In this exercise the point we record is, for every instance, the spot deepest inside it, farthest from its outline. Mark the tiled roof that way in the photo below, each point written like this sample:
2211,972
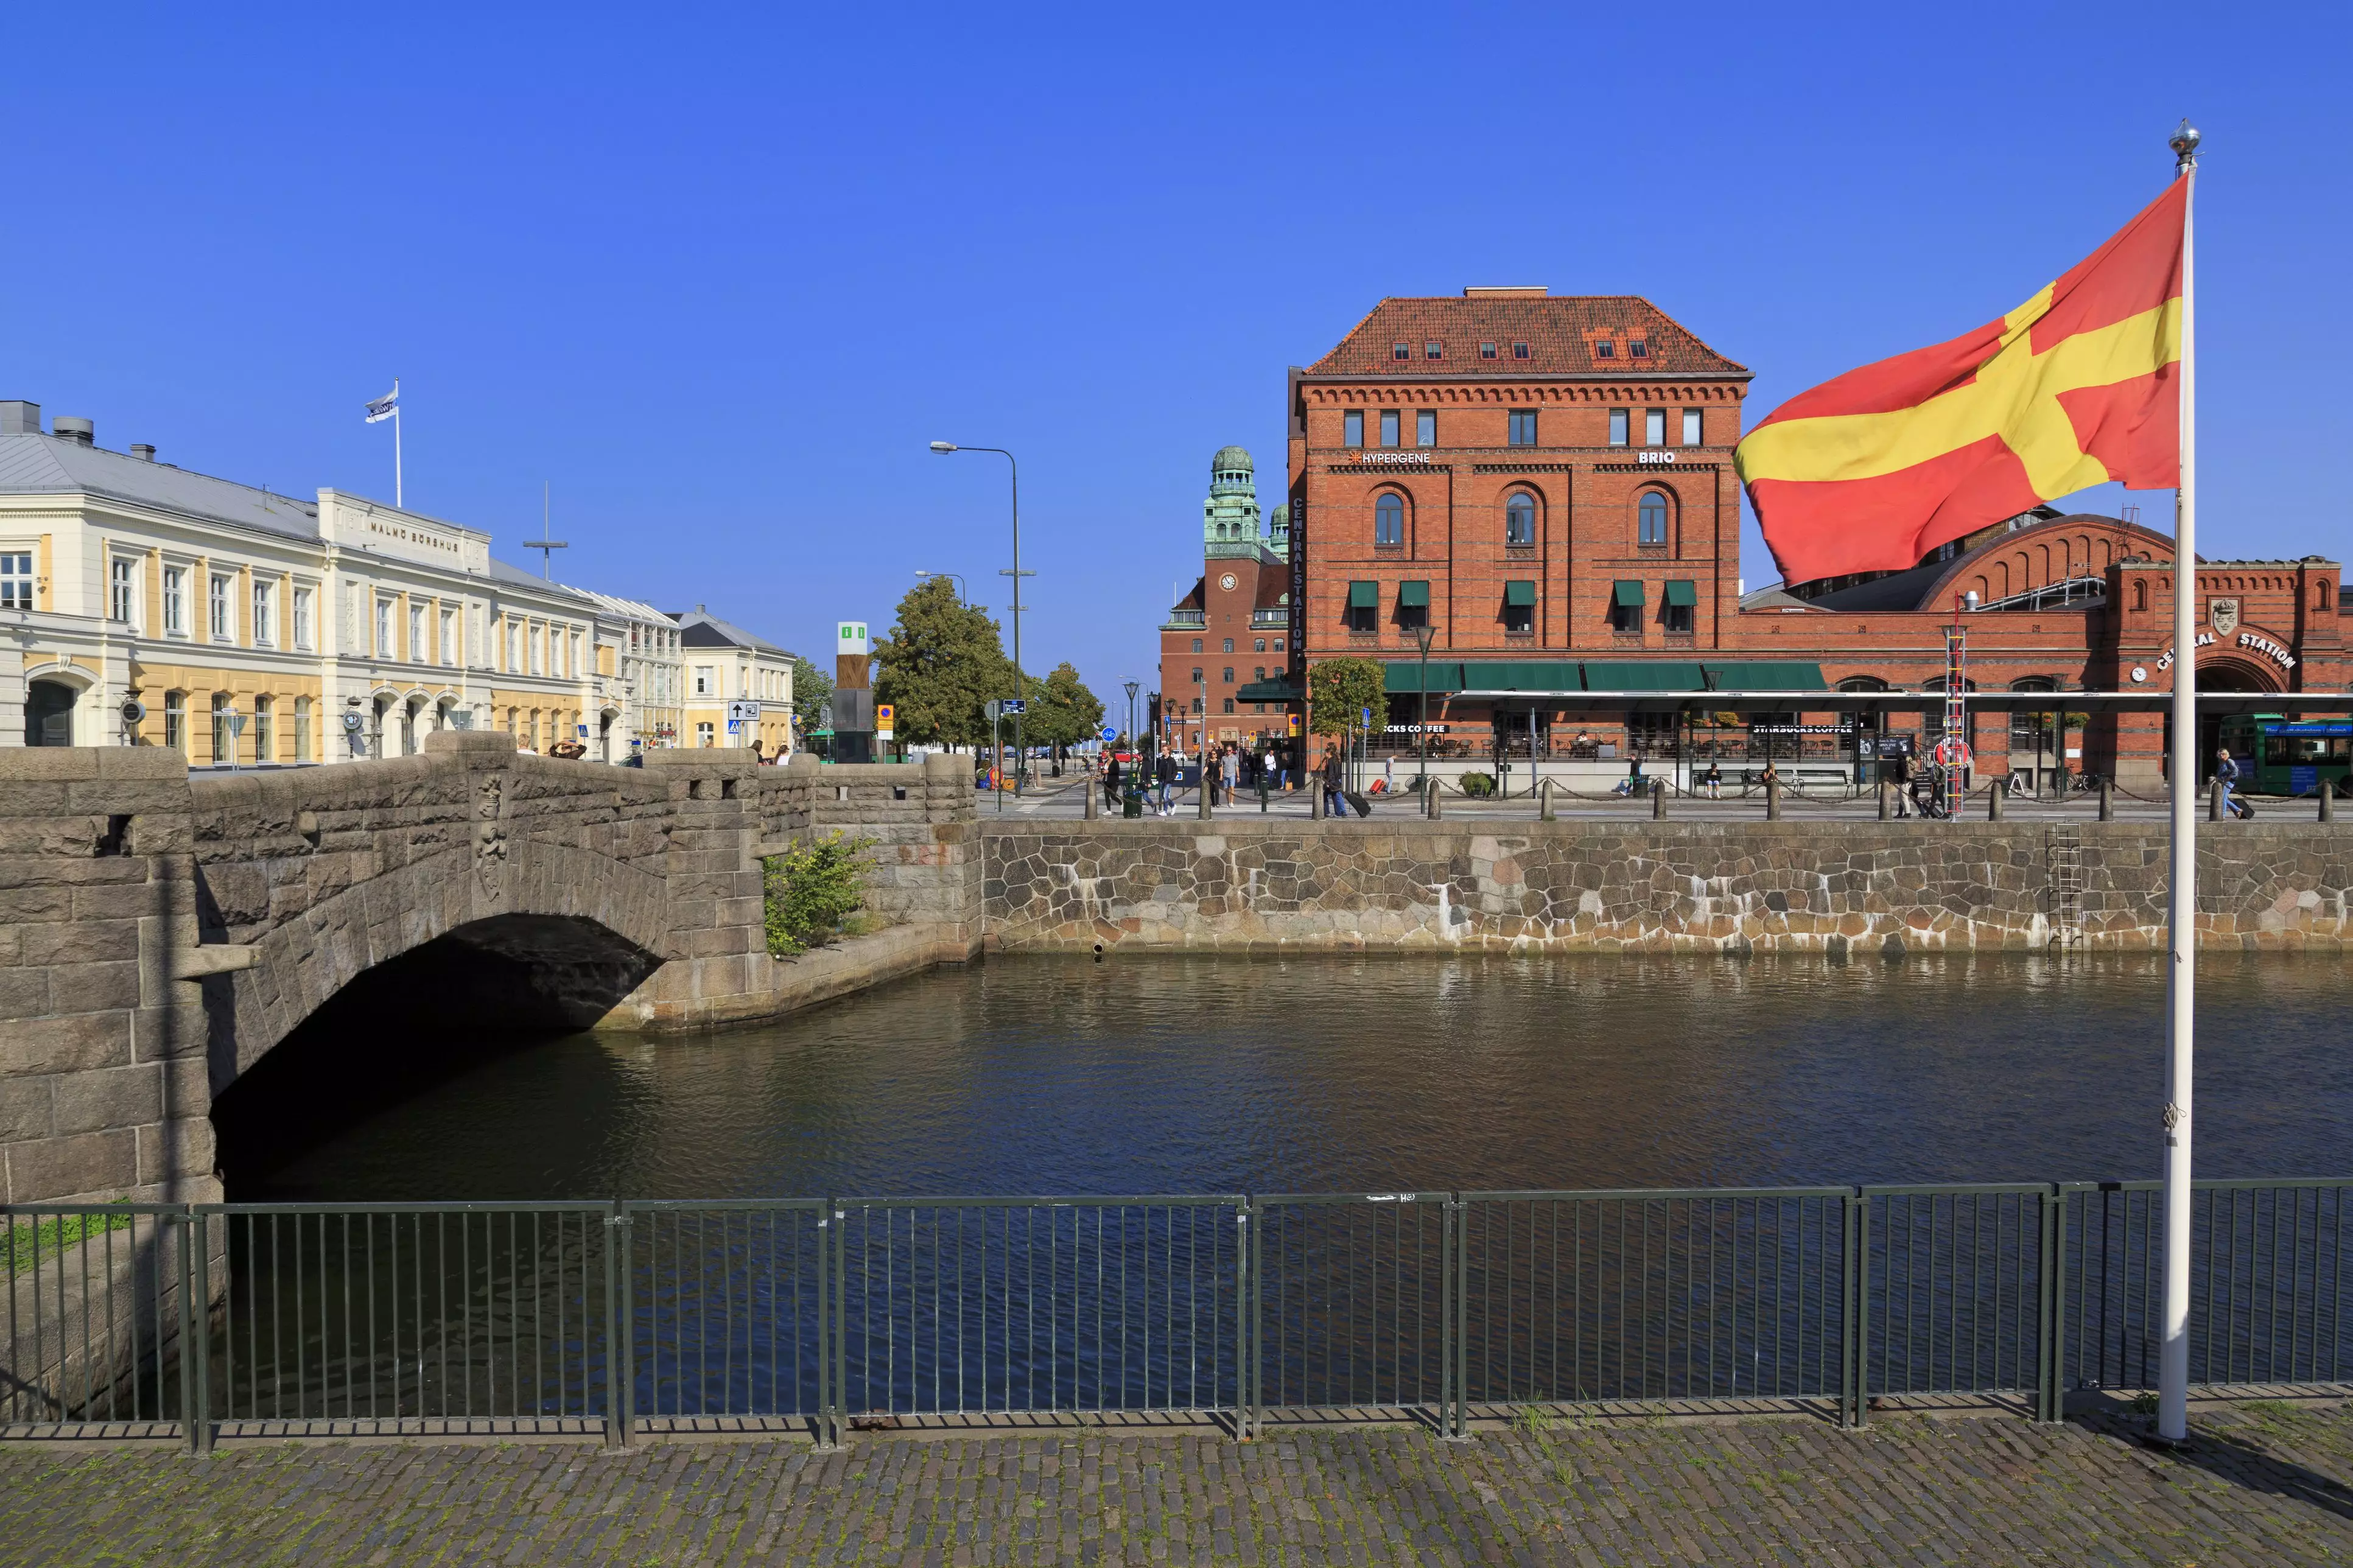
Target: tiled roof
1562,334
45,465
702,629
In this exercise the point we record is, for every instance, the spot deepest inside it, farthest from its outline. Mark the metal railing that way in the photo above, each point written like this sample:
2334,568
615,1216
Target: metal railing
825,1314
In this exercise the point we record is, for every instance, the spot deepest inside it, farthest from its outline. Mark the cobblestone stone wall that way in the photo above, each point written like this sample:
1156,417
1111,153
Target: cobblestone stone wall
1839,886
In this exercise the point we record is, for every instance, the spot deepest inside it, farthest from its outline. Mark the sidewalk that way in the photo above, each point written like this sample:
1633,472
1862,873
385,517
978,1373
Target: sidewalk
2264,1483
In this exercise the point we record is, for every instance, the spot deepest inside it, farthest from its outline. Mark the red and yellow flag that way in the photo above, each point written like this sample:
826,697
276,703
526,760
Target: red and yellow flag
1872,470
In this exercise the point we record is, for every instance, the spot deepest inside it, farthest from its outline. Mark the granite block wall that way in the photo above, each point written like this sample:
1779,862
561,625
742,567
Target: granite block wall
1838,886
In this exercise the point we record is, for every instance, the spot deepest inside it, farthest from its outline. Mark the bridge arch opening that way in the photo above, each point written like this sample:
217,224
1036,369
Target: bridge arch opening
414,1024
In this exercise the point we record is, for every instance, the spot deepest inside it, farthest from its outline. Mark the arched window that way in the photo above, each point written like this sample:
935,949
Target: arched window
2321,594
1520,519
1650,520
1388,521
2140,596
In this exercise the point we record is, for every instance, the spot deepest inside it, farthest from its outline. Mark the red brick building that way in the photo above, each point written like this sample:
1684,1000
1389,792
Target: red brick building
1234,628
1548,482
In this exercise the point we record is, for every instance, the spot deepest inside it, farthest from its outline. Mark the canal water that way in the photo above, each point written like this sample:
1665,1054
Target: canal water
1048,1075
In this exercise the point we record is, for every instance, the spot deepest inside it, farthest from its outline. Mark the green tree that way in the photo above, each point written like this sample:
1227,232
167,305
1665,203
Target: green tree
941,662
812,688
1062,712
1339,690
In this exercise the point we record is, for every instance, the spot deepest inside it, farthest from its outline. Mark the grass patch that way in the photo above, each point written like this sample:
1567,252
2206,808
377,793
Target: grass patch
46,1237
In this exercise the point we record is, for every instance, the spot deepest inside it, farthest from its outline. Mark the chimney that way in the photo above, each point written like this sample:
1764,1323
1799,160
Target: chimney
18,417
66,427
1508,292
142,451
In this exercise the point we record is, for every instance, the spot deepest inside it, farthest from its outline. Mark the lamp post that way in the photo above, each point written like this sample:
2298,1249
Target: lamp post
1133,751
1020,685
962,592
1422,635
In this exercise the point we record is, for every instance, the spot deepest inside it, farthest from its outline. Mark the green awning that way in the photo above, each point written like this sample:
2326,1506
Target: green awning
1522,675
1626,592
1644,675
1405,674
1414,594
1768,675
1683,590
1364,596
1519,592
1278,689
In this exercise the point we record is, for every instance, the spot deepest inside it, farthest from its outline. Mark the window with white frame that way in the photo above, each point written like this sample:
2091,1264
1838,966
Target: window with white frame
120,599
703,734
176,721
415,650
16,579
382,628
702,680
301,729
219,626
573,657
445,651
1693,425
175,601
302,618
1654,426
265,622
533,639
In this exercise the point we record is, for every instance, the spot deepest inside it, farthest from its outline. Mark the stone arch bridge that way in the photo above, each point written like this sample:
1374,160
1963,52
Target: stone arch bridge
160,932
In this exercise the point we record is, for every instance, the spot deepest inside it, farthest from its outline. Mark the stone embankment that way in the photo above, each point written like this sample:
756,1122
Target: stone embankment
1839,887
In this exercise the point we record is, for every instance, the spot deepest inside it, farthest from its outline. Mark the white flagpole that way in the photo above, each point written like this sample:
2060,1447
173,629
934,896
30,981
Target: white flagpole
2181,910
395,445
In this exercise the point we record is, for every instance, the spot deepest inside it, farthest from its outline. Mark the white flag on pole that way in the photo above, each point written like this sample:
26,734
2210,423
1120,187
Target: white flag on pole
385,408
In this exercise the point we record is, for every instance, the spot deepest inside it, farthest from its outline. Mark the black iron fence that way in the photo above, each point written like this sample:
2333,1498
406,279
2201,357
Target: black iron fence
828,1314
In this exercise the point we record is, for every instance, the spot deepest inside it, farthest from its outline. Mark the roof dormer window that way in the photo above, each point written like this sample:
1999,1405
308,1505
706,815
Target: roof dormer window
1401,351
1638,348
1486,350
1604,349
1519,350
1431,350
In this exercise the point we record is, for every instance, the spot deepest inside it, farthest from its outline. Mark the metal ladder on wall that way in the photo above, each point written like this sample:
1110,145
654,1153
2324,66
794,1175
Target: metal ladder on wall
2063,854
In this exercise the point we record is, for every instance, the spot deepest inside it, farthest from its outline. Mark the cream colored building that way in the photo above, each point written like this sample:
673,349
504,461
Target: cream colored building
727,669
144,604
645,652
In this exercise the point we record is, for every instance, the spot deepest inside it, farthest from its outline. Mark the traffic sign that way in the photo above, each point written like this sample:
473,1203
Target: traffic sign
1109,733
1012,705
883,714
742,712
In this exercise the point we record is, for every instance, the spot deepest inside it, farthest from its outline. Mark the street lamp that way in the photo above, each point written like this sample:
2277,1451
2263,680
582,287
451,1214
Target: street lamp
1133,751
1421,635
962,592
1020,685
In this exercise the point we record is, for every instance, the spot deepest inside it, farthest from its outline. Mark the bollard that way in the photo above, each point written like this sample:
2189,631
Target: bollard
1436,810
1316,797
1996,793
2108,800
1544,802
1261,792
1094,797
2214,801
1772,800
1886,805
1658,800
1206,787
2327,801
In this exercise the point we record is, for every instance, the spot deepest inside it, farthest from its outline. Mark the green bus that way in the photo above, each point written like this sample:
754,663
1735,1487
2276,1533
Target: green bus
2278,756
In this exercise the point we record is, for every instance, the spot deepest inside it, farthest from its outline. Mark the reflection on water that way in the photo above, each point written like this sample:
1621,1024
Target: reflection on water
1198,1075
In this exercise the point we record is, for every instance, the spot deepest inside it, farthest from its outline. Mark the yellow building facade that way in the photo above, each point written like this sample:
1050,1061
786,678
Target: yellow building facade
144,604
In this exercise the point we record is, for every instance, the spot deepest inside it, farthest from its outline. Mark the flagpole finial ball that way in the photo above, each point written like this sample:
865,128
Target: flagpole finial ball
2184,142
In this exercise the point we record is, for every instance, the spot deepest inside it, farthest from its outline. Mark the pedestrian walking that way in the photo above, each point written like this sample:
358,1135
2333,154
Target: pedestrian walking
1232,770
1164,775
1335,805
1898,769
2227,772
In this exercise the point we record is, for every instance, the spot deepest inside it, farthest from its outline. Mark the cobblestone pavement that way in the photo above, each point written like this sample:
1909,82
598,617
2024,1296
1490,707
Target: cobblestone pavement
2266,1484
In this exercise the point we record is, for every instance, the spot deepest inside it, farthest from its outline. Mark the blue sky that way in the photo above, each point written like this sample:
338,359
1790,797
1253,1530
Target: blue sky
718,277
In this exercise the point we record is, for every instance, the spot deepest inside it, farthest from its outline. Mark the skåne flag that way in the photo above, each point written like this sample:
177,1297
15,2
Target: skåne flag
1872,470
